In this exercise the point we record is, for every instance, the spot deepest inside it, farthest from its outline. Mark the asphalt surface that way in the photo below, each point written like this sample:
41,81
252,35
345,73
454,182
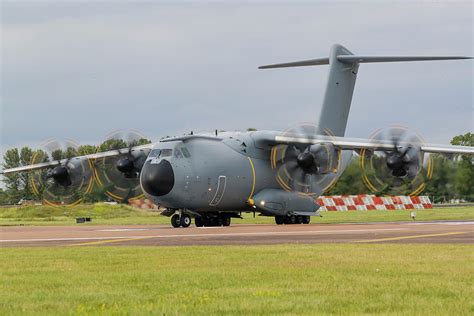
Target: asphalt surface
163,235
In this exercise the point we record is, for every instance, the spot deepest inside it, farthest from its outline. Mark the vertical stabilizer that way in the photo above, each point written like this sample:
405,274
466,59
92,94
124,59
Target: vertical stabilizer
338,95
343,67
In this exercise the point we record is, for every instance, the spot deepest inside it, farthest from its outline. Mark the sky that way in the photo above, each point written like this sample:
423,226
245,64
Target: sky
81,69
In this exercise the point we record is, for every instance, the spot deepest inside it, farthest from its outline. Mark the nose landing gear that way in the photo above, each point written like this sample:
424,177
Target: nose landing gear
180,221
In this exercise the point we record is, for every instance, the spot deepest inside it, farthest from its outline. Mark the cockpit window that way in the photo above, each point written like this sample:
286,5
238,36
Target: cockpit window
166,152
154,153
177,153
185,152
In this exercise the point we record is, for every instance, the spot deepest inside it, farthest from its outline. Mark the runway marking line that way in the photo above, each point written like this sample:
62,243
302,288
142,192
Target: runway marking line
107,241
410,237
121,238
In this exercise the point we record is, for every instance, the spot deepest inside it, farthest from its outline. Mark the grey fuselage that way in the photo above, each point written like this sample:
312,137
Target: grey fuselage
209,175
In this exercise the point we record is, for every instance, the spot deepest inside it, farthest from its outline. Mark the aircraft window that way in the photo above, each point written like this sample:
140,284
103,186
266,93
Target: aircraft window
185,152
166,152
154,153
177,153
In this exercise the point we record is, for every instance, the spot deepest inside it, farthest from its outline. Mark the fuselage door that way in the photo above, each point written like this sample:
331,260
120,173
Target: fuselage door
221,184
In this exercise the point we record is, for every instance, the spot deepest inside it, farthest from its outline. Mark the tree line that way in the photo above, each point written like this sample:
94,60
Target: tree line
452,178
18,186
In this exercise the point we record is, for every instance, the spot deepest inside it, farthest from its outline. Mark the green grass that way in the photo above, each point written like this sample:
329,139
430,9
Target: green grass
409,279
121,214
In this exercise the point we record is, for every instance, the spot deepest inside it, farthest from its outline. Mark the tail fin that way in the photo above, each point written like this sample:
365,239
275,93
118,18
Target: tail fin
343,68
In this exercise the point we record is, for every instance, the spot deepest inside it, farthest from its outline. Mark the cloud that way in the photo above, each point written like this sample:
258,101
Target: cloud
81,70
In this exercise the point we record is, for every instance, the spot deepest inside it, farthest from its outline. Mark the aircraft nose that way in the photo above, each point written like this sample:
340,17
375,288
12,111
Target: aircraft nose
157,179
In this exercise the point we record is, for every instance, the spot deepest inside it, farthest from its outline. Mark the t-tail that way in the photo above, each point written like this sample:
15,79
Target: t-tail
343,69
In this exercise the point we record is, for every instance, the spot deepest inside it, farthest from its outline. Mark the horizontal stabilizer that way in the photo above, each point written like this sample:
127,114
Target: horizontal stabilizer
351,59
310,62
354,59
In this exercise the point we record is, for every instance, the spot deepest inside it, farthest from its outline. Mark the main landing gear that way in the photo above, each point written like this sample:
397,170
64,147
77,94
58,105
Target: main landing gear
292,219
184,220
208,221
180,221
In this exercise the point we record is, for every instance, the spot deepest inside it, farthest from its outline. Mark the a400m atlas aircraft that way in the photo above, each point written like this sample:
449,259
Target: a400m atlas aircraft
214,177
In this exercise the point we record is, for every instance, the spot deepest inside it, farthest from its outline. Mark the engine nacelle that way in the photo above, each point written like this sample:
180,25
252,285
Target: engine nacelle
281,202
326,157
61,176
131,164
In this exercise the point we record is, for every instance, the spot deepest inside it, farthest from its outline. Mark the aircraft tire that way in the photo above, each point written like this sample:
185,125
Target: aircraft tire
292,219
299,219
226,221
286,220
198,222
306,219
175,222
185,220
206,221
279,220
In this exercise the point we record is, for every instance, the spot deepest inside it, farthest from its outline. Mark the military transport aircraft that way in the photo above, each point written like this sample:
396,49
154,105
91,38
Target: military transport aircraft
214,177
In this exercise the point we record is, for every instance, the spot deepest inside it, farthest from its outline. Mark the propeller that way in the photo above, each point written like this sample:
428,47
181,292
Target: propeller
68,181
120,174
305,167
399,170
404,159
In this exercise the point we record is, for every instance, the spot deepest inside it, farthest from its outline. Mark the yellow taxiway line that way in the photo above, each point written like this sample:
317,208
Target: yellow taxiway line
411,237
107,241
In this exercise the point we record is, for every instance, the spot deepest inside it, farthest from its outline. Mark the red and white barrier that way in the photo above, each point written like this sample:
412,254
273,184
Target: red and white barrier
371,202
345,203
143,204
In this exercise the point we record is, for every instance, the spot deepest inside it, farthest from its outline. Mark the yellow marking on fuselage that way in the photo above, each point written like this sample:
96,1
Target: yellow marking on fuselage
411,237
254,180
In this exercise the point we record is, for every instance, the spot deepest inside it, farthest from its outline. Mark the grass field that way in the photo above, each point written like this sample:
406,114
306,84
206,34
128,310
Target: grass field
121,214
313,279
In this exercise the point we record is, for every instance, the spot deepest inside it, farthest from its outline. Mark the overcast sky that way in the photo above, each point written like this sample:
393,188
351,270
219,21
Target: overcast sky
82,69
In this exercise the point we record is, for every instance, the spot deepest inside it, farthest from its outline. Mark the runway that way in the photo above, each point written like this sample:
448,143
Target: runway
163,235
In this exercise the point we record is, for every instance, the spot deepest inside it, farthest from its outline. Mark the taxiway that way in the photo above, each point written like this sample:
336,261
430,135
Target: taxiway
162,235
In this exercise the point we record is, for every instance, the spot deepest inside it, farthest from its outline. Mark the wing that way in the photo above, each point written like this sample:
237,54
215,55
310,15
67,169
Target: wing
361,143
104,154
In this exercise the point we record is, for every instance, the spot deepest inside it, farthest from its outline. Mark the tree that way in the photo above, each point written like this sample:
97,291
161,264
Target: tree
112,144
86,150
464,175
3,197
440,186
18,183
11,159
463,140
350,181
